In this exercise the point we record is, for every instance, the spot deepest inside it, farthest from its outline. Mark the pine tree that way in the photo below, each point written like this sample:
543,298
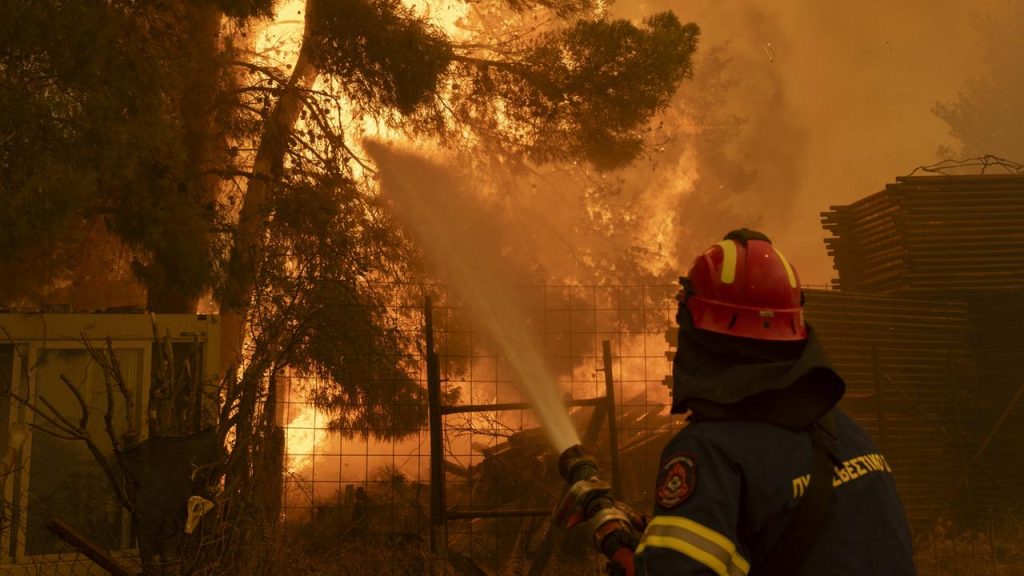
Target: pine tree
226,174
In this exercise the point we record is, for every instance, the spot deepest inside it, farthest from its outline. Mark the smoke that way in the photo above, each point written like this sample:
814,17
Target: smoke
794,106
458,236
813,104
985,118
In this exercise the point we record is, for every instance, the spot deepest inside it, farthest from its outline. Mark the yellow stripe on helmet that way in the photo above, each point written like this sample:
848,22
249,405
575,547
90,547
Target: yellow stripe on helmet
789,269
728,261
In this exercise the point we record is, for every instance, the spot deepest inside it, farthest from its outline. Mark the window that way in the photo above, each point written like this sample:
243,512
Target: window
64,477
44,471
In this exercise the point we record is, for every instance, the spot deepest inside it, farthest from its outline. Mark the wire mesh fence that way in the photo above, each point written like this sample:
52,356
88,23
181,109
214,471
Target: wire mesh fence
501,481
353,503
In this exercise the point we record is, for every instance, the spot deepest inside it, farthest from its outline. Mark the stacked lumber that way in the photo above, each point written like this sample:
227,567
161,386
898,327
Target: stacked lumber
935,234
992,413
903,361
942,256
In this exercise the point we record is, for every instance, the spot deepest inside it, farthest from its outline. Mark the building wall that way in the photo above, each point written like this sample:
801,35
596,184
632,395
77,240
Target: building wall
50,383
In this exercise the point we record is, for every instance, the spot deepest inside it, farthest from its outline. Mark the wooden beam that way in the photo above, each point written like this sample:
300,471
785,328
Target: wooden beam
98,555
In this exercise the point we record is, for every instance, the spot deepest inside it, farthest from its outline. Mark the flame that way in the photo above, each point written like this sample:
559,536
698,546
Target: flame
448,15
662,227
639,366
304,435
309,445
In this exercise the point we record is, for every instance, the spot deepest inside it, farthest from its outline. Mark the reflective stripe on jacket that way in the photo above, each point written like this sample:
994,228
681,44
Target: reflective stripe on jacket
721,510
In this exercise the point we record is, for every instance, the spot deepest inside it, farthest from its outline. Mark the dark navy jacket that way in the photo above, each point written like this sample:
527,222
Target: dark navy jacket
736,485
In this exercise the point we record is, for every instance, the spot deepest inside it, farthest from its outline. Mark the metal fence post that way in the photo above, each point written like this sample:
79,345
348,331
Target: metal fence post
613,428
438,541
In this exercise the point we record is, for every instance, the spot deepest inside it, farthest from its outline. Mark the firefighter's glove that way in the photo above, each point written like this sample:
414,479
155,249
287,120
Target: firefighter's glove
621,563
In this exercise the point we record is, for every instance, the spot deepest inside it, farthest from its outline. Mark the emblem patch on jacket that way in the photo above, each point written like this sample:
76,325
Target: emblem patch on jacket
678,479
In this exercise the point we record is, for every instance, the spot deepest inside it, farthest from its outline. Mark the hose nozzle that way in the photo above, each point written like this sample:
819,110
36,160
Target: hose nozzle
589,500
587,492
577,464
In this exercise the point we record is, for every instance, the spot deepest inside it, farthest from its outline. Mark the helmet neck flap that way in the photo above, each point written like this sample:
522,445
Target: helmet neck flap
720,377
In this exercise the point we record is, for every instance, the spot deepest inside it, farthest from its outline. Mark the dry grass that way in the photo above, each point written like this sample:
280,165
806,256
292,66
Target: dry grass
994,548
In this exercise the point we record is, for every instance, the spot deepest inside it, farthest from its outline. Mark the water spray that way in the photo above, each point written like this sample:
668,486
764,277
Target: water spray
452,234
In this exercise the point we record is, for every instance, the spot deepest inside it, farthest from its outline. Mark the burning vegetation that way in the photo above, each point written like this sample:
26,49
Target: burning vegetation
282,183
233,175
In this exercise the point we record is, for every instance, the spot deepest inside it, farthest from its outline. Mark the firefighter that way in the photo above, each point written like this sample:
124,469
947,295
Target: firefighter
769,478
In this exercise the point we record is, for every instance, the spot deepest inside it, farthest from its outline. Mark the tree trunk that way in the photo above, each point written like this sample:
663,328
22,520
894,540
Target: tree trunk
248,242
157,509
257,461
257,453
170,289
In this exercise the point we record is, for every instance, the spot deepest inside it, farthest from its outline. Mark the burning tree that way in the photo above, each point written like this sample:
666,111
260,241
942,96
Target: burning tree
227,172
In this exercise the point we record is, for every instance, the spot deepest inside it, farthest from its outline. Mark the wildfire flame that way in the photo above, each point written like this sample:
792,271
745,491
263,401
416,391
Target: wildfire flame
304,435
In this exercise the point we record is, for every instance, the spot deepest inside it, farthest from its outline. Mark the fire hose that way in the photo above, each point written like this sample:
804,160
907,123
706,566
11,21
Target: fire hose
616,529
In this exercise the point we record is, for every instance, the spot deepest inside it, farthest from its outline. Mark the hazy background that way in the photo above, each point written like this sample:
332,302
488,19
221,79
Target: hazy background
794,106
839,104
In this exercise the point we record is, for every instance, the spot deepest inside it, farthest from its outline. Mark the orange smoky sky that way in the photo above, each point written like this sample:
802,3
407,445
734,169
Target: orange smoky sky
837,99
831,101
794,105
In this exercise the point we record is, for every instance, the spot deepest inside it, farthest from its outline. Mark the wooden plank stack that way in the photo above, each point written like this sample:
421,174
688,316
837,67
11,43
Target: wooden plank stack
937,234
993,404
931,295
902,360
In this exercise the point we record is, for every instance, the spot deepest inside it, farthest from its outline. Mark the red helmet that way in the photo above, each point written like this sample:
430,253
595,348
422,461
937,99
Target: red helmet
744,287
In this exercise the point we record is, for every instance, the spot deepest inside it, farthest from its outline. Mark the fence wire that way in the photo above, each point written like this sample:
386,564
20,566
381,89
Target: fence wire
377,493
371,499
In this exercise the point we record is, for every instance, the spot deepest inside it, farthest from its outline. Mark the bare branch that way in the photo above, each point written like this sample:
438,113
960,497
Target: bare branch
61,422
67,431
267,71
82,434
109,365
112,477
49,432
108,417
84,421
126,392
32,408
333,138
